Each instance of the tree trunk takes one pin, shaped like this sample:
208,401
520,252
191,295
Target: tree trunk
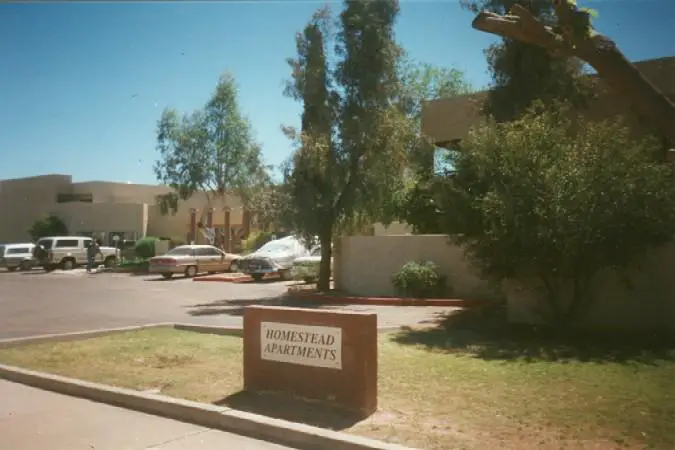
326,240
597,50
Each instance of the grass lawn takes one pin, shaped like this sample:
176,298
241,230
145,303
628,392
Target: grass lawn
436,390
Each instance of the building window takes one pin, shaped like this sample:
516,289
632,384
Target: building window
69,198
443,157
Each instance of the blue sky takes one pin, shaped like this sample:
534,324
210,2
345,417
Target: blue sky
83,84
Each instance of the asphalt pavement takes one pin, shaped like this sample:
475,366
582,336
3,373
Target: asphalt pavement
37,302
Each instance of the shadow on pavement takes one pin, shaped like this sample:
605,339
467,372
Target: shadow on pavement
235,307
37,272
290,408
486,334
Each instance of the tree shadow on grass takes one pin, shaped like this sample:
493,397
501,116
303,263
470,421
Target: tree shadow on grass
293,409
486,334
235,307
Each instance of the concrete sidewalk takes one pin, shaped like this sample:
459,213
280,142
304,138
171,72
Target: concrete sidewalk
32,419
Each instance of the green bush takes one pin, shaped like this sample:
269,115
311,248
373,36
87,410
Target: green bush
256,240
48,225
419,279
553,200
145,248
173,241
176,242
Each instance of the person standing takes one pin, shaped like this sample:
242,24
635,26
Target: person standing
93,250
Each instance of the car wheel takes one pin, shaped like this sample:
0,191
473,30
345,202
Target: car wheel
191,271
26,265
285,275
257,276
234,267
49,268
11,269
167,276
68,264
109,261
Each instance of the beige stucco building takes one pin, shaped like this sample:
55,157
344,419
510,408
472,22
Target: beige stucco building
449,120
104,209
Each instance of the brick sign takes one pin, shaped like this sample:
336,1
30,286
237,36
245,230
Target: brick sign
321,355
304,345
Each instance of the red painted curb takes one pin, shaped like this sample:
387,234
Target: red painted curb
387,301
222,279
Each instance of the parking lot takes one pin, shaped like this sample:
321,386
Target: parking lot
37,302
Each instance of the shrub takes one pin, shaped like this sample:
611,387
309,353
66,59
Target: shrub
145,248
256,240
176,242
48,225
173,241
419,279
552,200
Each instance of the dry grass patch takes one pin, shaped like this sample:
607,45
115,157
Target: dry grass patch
431,396
440,398
181,364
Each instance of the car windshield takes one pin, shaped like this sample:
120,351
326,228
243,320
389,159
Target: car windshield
275,247
180,251
46,244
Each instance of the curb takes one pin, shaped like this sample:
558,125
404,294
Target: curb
75,336
216,417
209,329
195,328
222,279
387,301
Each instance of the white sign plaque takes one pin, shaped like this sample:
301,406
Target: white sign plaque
306,345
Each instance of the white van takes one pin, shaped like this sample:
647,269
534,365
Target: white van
68,252
17,256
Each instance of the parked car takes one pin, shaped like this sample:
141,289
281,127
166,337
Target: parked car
274,257
191,260
307,267
17,256
68,252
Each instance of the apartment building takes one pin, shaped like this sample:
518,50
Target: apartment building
448,120
106,209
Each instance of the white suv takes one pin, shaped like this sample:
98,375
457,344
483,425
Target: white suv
17,256
68,252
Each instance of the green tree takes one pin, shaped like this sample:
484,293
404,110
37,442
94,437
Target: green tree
551,200
523,73
48,225
422,82
211,150
568,34
353,145
271,205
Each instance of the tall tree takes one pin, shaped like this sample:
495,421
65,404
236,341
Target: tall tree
537,201
48,225
211,150
571,35
353,145
422,82
522,72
